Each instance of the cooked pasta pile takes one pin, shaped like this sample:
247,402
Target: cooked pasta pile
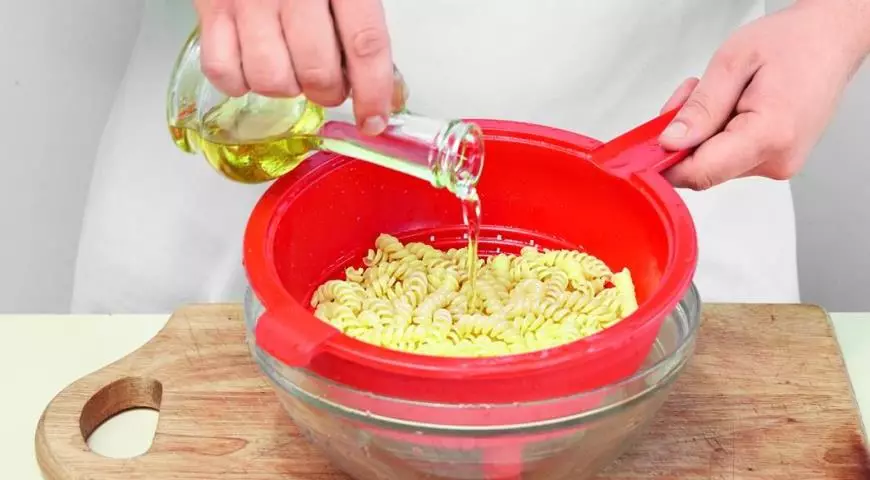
416,298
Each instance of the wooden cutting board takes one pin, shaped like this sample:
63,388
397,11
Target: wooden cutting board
766,396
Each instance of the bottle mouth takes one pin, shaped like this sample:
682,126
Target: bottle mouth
461,157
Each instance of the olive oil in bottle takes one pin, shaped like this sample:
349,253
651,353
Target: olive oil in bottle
253,139
253,143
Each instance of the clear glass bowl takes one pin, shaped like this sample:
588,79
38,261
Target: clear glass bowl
372,437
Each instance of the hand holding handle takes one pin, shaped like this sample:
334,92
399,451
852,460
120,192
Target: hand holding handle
639,150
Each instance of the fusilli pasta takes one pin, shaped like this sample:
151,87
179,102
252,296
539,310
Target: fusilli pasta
416,298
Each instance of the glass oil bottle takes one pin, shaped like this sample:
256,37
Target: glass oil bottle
254,139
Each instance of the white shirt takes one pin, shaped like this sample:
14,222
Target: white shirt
162,229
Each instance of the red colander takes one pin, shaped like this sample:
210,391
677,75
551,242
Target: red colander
540,186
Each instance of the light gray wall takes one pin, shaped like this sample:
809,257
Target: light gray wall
832,205
62,62
55,111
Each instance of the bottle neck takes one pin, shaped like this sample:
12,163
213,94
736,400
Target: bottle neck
447,154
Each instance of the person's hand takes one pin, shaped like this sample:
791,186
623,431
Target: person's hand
283,48
768,94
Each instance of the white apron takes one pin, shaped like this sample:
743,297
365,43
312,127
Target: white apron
162,229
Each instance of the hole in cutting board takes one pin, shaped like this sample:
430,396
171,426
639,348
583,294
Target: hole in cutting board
120,420
126,435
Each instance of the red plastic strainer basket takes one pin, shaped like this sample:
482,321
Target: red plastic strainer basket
540,186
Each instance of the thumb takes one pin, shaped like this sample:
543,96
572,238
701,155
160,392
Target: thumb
680,95
710,105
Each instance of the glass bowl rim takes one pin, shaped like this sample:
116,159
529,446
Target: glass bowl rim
689,304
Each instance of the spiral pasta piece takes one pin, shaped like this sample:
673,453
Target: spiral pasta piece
416,298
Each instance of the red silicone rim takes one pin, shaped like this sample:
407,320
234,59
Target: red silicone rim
675,279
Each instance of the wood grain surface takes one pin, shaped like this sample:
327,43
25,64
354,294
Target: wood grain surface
766,396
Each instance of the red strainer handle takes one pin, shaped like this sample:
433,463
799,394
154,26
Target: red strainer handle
639,150
292,335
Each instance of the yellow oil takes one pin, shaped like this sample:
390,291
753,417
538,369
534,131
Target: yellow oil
471,213
253,142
